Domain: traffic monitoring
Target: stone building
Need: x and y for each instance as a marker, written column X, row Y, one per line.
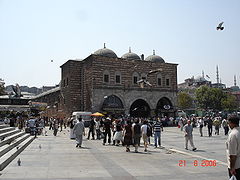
column 53, row 99
column 129, row 85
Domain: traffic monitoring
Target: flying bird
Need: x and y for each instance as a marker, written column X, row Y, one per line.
column 140, row 81
column 148, row 83
column 51, row 60
column 154, row 71
column 143, row 82
column 220, row 26
column 135, row 109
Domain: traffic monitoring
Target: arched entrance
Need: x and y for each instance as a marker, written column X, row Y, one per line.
column 139, row 108
column 164, row 108
column 113, row 105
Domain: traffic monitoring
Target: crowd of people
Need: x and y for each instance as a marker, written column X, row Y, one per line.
column 208, row 121
column 125, row 132
column 129, row 131
column 36, row 125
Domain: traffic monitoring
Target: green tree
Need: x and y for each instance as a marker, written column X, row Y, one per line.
column 215, row 98
column 203, row 97
column 210, row 98
column 229, row 102
column 185, row 101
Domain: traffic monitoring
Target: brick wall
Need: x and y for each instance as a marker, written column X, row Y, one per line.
column 83, row 88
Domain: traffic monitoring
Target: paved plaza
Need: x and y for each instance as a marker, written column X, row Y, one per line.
column 57, row 158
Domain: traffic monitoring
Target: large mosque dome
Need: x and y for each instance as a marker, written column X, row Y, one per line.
column 105, row 52
column 155, row 58
column 131, row 56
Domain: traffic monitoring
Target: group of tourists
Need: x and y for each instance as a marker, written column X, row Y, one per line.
column 129, row 132
column 187, row 126
column 208, row 122
column 232, row 143
column 125, row 132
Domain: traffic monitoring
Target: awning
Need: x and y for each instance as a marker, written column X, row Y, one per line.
column 97, row 114
column 14, row 108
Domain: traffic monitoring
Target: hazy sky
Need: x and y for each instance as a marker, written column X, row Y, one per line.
column 34, row 32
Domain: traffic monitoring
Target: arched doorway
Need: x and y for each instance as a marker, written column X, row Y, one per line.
column 139, row 108
column 113, row 105
column 164, row 108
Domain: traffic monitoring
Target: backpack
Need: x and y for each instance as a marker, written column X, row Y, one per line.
column 137, row 129
column 149, row 131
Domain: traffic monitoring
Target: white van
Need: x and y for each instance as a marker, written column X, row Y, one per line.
column 181, row 113
column 86, row 116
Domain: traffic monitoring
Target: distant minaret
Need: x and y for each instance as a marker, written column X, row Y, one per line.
column 202, row 73
column 217, row 75
column 235, row 81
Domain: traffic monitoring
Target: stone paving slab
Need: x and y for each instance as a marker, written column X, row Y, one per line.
column 58, row 158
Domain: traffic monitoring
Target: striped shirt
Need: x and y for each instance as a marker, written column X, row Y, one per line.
column 157, row 127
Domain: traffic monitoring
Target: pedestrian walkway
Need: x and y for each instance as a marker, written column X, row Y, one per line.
column 57, row 158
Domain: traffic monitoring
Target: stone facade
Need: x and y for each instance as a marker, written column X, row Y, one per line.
column 84, row 85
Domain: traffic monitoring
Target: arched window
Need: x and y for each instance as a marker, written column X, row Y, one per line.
column 135, row 78
column 167, row 81
column 159, row 80
column 106, row 76
column 118, row 77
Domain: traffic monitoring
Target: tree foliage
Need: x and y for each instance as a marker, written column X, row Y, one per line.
column 229, row 103
column 203, row 97
column 215, row 99
column 185, row 101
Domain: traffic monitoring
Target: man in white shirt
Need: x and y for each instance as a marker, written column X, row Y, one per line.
column 188, row 129
column 79, row 131
column 200, row 122
column 233, row 148
column 225, row 126
column 144, row 135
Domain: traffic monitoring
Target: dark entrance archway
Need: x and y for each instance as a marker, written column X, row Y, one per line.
column 113, row 105
column 164, row 107
column 139, row 108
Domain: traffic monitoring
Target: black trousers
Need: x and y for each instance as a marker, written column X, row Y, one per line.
column 226, row 129
column 107, row 133
column 237, row 175
column 91, row 130
column 98, row 133
column 209, row 131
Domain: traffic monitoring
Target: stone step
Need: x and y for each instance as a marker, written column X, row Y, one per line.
column 3, row 126
column 3, row 130
column 4, row 149
column 11, row 138
column 6, row 134
column 13, row 153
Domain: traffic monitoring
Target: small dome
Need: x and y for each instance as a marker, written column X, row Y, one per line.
column 131, row 56
column 105, row 52
column 200, row 79
column 155, row 58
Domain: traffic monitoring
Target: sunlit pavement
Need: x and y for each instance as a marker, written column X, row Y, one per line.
column 58, row 158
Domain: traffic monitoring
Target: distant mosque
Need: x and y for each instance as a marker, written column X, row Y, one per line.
column 192, row 83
